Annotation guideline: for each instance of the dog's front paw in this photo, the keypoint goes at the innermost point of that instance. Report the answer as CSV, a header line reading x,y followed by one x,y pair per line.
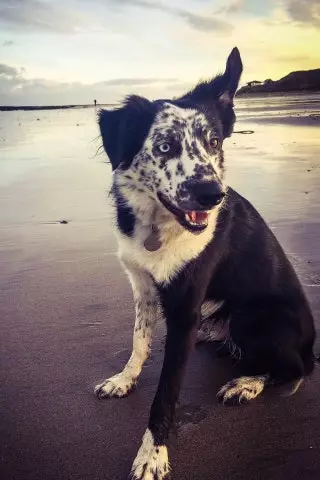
x,y
151,462
118,386
241,390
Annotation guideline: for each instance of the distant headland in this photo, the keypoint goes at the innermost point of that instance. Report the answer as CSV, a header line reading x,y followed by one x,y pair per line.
x,y
301,81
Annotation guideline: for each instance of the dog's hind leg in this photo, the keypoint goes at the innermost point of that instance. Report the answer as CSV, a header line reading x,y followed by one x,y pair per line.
x,y
285,367
147,309
266,362
211,329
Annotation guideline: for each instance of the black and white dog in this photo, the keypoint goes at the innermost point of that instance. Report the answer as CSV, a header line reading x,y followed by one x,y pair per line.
x,y
198,255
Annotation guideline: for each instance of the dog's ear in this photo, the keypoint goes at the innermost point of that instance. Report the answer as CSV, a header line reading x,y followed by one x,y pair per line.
x,y
220,92
124,129
228,84
229,81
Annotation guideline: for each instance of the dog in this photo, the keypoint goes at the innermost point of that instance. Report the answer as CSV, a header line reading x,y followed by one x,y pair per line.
x,y
198,255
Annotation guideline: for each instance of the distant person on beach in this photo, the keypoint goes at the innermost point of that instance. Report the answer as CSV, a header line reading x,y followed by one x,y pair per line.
x,y
95,102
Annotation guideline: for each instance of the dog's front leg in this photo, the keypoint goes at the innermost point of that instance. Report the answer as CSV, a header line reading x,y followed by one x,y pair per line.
x,y
151,462
147,311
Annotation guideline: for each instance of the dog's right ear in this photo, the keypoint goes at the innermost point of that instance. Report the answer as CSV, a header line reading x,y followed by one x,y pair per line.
x,y
124,129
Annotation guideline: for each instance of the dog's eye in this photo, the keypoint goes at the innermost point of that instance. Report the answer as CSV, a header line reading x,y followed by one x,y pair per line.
x,y
164,147
214,142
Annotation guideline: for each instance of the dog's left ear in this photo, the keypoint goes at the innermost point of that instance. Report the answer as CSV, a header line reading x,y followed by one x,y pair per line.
x,y
220,92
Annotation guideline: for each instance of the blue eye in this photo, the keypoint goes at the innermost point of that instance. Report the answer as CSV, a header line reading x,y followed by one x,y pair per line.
x,y
164,147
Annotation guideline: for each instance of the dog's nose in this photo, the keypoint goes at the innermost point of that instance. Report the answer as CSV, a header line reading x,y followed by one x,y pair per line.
x,y
207,194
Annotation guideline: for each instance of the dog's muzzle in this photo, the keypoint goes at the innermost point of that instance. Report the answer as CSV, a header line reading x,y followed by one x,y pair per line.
x,y
204,195
193,212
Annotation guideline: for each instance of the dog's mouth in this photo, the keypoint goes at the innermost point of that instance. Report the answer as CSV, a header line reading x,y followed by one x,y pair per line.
x,y
195,221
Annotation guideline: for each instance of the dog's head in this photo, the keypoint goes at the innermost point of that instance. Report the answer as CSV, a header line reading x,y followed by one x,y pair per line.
x,y
171,150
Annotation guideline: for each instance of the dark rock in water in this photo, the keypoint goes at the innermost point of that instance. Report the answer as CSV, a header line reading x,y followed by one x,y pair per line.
x,y
38,119
64,222
245,132
78,124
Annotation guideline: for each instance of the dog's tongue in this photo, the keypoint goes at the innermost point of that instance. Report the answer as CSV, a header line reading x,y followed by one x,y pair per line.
x,y
198,217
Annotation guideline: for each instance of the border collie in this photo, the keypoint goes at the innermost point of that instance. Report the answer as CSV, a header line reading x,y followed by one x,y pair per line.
x,y
198,255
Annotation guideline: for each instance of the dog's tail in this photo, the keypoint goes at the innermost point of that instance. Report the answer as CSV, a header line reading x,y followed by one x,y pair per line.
x,y
292,387
309,364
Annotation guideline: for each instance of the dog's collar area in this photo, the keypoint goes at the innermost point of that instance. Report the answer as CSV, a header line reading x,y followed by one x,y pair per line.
x,y
194,221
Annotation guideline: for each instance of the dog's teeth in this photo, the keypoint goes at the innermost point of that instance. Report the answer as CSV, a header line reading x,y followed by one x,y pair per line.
x,y
191,218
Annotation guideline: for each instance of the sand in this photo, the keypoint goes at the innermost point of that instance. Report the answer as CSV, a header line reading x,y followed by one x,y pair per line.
x,y
67,313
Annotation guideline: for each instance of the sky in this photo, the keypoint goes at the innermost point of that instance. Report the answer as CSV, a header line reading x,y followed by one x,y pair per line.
x,y
72,51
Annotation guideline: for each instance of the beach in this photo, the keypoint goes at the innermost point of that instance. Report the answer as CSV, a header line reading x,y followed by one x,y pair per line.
x,y
67,312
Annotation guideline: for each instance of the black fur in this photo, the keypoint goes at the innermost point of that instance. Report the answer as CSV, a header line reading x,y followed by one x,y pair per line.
x,y
261,292
270,319
125,217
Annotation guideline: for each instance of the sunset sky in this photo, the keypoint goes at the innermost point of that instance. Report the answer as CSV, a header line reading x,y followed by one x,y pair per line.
x,y
72,51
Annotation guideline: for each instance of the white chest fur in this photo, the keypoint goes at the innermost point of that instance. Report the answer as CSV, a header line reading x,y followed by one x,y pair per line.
x,y
178,247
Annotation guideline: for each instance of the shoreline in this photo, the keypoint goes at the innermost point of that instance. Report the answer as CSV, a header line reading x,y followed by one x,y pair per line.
x,y
4,108
300,93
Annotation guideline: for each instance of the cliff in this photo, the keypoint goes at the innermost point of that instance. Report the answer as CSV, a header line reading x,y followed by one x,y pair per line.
x,y
305,80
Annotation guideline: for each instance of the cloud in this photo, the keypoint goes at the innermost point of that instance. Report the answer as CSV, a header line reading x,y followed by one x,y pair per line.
x,y
235,6
200,22
135,81
197,21
38,14
8,71
7,43
156,41
304,11
10,79
15,89
262,46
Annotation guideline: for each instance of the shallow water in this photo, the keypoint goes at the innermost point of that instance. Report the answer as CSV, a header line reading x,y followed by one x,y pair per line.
x,y
277,106
33,139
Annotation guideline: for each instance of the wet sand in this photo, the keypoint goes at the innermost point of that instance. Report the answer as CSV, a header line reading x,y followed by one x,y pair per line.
x,y
67,313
